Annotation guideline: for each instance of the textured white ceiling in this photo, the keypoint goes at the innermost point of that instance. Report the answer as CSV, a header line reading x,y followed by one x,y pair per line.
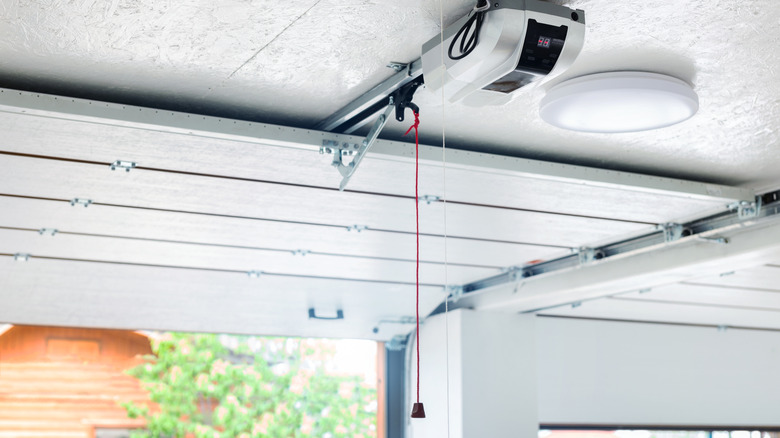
x,y
296,62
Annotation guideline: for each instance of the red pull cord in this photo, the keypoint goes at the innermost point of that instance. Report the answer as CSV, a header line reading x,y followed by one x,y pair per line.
x,y
417,224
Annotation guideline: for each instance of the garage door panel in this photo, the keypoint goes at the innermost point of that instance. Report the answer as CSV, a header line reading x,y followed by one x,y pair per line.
x,y
131,297
172,226
71,246
759,277
707,295
65,180
638,310
180,151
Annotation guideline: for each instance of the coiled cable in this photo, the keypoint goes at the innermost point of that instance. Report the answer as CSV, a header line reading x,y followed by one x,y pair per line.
x,y
468,38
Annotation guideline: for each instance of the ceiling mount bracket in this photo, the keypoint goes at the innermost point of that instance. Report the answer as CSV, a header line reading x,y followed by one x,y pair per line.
x,y
587,255
454,293
672,231
747,209
397,66
399,100
347,171
397,343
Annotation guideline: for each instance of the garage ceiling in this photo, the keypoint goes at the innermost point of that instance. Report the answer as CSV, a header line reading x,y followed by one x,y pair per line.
x,y
297,62
203,209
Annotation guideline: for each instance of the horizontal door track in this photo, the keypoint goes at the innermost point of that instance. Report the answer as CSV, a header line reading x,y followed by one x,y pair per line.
x,y
765,208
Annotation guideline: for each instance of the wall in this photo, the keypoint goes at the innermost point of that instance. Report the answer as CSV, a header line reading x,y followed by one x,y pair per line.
x,y
598,372
492,387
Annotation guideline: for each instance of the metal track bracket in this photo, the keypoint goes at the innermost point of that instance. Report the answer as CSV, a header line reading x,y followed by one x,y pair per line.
x,y
747,209
672,231
120,164
81,201
347,171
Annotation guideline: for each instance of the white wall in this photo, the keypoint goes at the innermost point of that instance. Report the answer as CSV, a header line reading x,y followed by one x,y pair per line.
x,y
492,391
597,372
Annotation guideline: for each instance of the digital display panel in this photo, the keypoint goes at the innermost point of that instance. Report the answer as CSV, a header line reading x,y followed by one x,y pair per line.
x,y
544,42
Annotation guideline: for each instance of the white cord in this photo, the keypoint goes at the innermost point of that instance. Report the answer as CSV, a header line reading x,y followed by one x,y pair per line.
x,y
444,200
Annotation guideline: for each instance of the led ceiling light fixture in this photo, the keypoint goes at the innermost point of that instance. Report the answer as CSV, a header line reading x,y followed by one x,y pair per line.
x,y
619,102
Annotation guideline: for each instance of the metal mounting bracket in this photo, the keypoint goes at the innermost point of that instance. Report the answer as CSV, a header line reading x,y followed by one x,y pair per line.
x,y
397,343
672,231
454,293
254,274
300,252
127,165
397,66
80,201
357,228
47,231
21,257
429,198
514,273
347,171
747,209
587,255
401,320
399,100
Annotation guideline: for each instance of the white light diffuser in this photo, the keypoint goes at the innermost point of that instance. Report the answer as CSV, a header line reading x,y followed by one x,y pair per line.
x,y
619,102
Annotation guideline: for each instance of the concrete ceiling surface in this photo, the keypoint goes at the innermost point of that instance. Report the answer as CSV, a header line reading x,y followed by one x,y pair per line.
x,y
297,62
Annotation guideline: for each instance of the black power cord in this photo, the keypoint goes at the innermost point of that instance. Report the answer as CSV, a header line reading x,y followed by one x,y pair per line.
x,y
468,43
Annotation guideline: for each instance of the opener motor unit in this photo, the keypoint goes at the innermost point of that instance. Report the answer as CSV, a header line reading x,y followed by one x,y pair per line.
x,y
501,46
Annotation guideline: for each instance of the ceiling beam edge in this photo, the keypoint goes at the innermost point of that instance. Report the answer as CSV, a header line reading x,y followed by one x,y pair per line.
x,y
80,110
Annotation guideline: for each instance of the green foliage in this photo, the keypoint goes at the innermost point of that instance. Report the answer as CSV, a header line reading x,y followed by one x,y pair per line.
x,y
258,388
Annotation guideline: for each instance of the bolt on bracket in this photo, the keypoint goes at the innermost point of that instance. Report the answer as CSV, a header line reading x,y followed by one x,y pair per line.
x,y
21,257
121,164
672,231
300,252
347,170
81,201
254,274
357,228
397,66
397,343
747,209
428,199
48,231
454,293
586,255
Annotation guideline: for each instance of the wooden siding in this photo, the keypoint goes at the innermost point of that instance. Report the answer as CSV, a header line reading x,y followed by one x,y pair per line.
x,y
62,382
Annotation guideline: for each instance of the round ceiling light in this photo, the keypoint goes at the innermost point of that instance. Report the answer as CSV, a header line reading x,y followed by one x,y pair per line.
x,y
619,102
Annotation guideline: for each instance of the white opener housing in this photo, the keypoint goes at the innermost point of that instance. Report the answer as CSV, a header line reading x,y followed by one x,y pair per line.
x,y
520,42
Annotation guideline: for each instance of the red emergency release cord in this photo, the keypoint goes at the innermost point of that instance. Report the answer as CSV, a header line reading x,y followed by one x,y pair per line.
x,y
418,411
